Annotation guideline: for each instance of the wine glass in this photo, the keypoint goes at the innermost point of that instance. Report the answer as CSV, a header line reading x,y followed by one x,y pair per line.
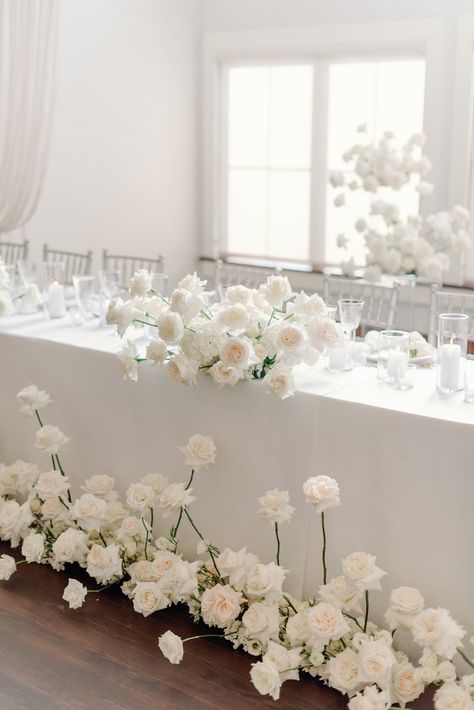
x,y
350,312
84,292
110,283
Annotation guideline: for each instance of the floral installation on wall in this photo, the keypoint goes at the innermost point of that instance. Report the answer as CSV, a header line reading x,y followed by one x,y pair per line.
x,y
396,243
242,598
253,334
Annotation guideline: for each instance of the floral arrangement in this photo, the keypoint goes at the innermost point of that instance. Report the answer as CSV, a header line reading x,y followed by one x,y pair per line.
x,y
328,636
395,243
5,300
253,334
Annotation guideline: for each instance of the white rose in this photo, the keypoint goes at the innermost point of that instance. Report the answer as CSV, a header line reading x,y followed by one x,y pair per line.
x,y
21,475
452,696
361,571
265,580
262,622
200,451
277,290
170,328
325,331
432,269
393,261
140,496
297,628
174,497
407,683
181,369
130,527
373,273
325,623
337,179
5,303
279,381
291,338
51,485
266,679
446,671
74,594
437,629
186,304
8,481
375,662
234,318
127,361
157,351
340,200
286,661
192,283
171,646
148,598
341,594
7,567
53,509
89,511
236,565
156,481
141,282
50,440
237,352
224,375
343,671
32,399
238,294
322,492
104,563
275,508
100,485
32,548
220,605
405,604
370,699
70,546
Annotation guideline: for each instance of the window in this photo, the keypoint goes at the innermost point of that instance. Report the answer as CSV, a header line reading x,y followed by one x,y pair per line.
x,y
276,201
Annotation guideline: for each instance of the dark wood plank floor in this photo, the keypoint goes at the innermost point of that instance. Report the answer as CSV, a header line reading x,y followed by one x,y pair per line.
x,y
105,656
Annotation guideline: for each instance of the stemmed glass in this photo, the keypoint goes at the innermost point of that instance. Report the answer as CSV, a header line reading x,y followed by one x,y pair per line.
x,y
110,283
84,292
350,313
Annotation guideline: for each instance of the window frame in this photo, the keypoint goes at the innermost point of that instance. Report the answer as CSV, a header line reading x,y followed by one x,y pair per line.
x,y
319,46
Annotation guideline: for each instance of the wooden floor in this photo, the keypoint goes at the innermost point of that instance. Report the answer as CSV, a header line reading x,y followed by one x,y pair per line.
x,y
105,656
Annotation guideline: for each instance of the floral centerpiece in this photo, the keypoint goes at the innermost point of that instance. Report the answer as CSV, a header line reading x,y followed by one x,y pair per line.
x,y
329,636
253,334
396,243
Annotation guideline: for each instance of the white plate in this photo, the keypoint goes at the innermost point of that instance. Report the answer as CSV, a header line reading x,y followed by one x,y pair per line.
x,y
419,360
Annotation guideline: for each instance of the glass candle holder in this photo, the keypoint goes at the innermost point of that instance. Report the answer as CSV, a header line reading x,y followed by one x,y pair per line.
x,y
53,289
394,346
339,356
84,293
452,349
469,382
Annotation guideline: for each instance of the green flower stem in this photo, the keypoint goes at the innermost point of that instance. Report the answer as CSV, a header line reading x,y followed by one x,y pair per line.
x,y
353,619
152,518
103,540
146,537
288,601
271,317
175,529
207,636
206,315
203,539
366,610
63,474
144,322
102,589
190,480
41,425
465,658
325,569
278,544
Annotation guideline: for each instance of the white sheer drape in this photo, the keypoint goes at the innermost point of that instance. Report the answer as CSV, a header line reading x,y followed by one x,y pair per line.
x,y
28,31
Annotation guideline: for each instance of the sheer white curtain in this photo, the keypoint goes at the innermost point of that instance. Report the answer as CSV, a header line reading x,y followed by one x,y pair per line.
x,y
28,31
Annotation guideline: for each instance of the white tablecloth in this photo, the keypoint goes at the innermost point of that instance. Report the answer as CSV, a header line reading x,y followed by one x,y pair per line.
x,y
402,459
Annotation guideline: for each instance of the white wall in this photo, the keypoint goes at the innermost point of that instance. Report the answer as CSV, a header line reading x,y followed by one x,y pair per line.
x,y
122,172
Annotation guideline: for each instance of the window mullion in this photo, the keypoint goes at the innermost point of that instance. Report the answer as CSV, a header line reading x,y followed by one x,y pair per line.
x,y
319,141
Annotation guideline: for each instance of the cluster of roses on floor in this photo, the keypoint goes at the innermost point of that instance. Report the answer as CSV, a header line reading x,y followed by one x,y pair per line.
x,y
328,636
252,334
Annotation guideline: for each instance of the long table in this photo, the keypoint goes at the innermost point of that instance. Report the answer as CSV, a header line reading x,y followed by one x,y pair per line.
x,y
403,460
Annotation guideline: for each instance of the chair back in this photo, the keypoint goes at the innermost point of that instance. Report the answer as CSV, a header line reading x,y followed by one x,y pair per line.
x,y
449,302
381,301
11,252
226,275
75,263
128,265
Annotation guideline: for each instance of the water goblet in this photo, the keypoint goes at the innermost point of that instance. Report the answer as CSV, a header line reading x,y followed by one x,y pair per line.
x,y
84,292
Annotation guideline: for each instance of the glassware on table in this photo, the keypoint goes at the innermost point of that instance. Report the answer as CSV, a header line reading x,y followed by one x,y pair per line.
x,y
469,382
84,293
339,357
27,271
394,350
160,284
350,313
452,350
331,312
53,289
110,283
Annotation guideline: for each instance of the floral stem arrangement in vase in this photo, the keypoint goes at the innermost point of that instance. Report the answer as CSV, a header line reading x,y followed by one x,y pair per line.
x,y
396,239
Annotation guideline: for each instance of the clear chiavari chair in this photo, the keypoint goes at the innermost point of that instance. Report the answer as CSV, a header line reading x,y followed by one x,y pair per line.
x,y
226,275
75,263
128,265
380,301
11,252
449,302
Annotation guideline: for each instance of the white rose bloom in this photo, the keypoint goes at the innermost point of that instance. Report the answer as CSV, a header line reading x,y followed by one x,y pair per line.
x,y
446,671
324,331
157,351
408,264
337,179
291,338
89,511
186,304
234,318
104,563
297,628
375,663
432,268
277,290
370,699
265,581
71,546
14,519
32,548
32,399
220,605
8,481
361,571
50,440
235,565
51,485
341,594
131,527
192,283
100,485
361,225
280,381
224,375
7,567
325,623
266,679
127,362
156,481
467,682
373,273
284,660
393,261
141,282
238,294
322,492
437,629
174,497
182,369
262,622
452,696
5,303
343,672
237,352
53,509
275,508
74,594
340,200
407,683
425,188
148,598
18,478
405,604
171,646
199,452
140,496
170,328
